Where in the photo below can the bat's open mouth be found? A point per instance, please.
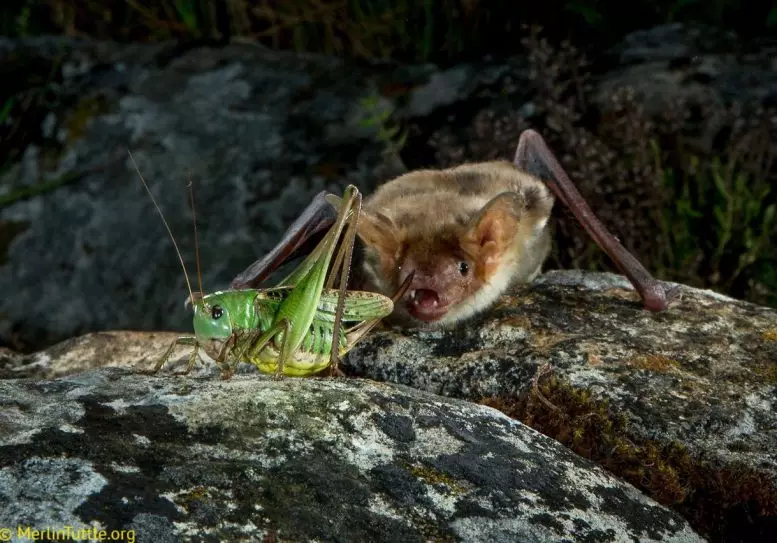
(426, 305)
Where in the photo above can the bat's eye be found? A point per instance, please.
(216, 312)
(463, 268)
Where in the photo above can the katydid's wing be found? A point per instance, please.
(359, 305)
(317, 217)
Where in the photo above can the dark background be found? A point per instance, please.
(441, 31)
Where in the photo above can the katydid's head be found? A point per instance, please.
(213, 322)
(211, 318)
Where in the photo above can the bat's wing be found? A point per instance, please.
(316, 218)
(535, 157)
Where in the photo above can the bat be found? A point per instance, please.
(467, 234)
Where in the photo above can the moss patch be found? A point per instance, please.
(78, 118)
(434, 477)
(770, 335)
(716, 501)
(654, 362)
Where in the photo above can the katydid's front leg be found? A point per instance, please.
(317, 217)
(228, 367)
(375, 315)
(535, 157)
(183, 340)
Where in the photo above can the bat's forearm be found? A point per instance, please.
(534, 156)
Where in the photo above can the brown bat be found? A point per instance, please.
(466, 233)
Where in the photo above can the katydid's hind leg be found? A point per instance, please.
(318, 216)
(336, 372)
(343, 262)
(535, 157)
(183, 340)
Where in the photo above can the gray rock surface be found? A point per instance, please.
(201, 459)
(702, 375)
(703, 372)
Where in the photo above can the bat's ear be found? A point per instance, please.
(492, 232)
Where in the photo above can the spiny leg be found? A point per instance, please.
(285, 348)
(343, 261)
(227, 369)
(191, 362)
(183, 340)
(244, 340)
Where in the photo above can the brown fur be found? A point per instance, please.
(489, 217)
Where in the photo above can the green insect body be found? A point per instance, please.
(289, 329)
(242, 325)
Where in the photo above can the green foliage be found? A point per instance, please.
(21, 114)
(379, 118)
(721, 219)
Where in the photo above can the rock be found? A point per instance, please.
(679, 403)
(703, 68)
(116, 349)
(178, 458)
(697, 382)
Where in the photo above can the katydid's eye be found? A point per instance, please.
(463, 268)
(216, 312)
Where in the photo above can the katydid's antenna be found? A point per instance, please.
(196, 240)
(180, 258)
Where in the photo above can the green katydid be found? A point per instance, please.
(289, 329)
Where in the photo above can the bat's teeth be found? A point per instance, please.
(412, 294)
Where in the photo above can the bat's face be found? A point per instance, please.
(442, 282)
(467, 234)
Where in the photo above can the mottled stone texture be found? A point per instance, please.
(303, 459)
(702, 374)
